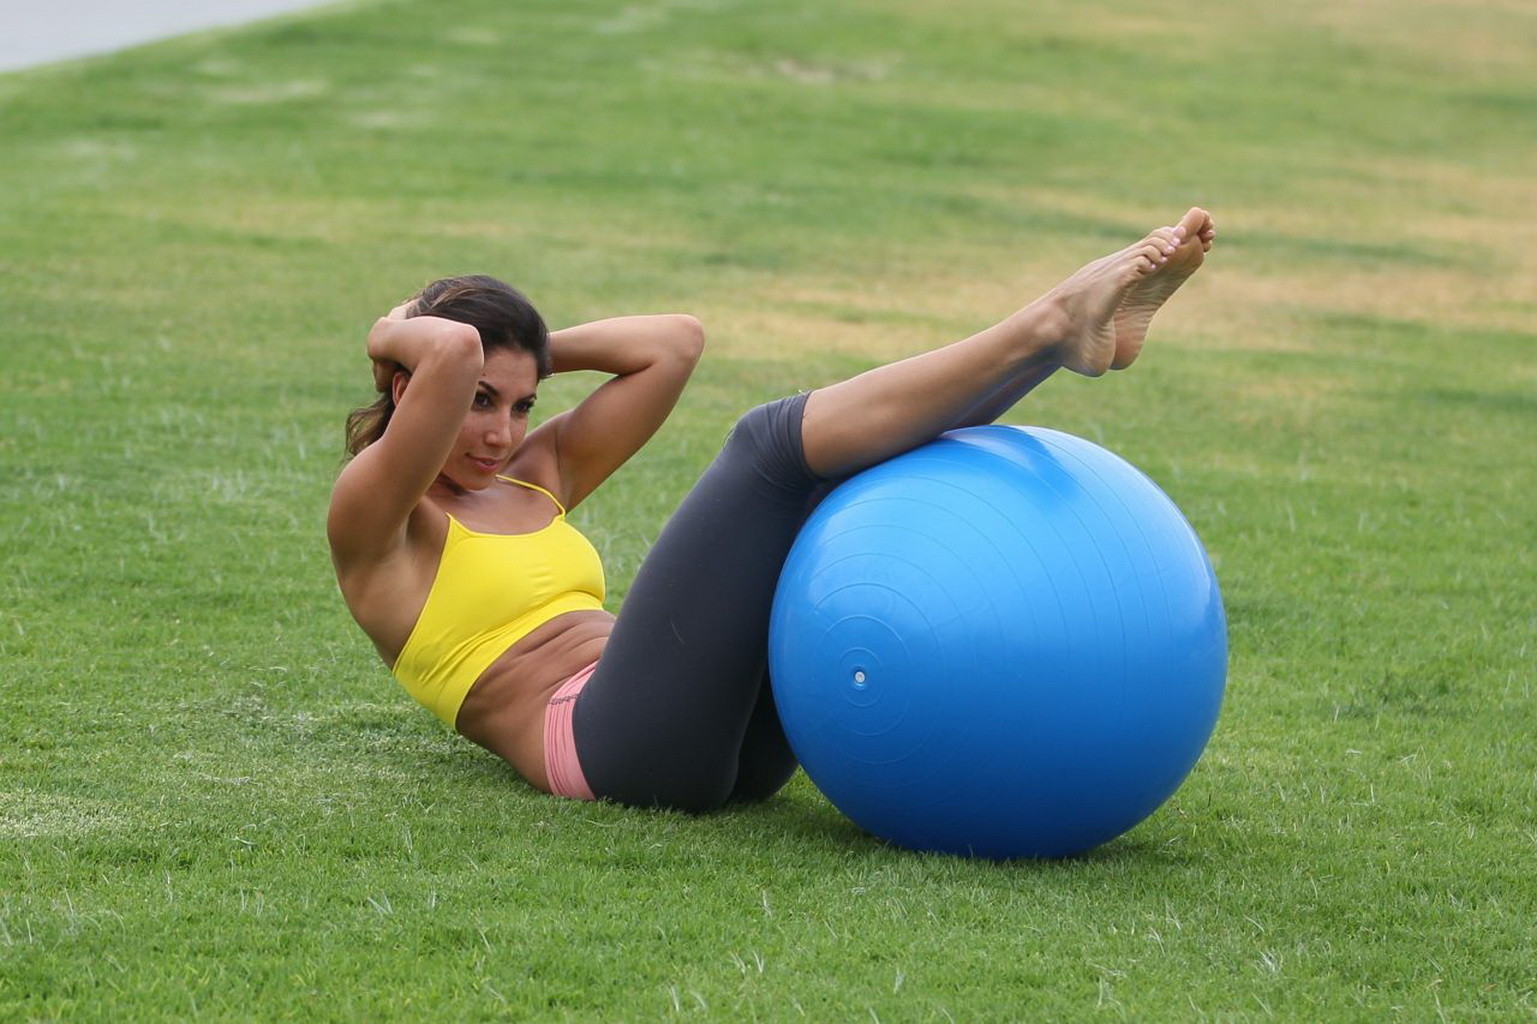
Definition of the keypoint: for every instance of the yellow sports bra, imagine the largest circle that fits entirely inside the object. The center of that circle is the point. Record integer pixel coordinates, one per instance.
(491, 590)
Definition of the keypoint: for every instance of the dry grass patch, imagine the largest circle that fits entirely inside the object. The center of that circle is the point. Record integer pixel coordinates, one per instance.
(791, 334)
(1469, 40)
(30, 814)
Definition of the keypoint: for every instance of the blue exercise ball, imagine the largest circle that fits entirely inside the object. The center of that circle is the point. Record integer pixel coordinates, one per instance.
(1006, 643)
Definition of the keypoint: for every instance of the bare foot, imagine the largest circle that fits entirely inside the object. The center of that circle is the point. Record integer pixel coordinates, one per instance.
(1110, 302)
(1197, 232)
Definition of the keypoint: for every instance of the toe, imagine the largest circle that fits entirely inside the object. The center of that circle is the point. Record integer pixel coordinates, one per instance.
(1195, 221)
(1164, 240)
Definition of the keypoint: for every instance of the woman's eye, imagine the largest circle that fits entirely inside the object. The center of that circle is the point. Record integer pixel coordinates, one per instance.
(482, 401)
(525, 407)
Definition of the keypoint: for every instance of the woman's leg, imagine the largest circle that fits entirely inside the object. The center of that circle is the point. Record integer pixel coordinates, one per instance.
(765, 762)
(678, 708)
(677, 701)
(1094, 321)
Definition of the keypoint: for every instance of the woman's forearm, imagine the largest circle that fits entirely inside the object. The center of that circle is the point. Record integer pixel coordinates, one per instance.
(408, 343)
(627, 344)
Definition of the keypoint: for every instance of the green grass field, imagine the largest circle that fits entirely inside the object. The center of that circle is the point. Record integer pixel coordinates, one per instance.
(216, 805)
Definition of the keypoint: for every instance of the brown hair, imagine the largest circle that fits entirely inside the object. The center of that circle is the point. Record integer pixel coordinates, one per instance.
(502, 315)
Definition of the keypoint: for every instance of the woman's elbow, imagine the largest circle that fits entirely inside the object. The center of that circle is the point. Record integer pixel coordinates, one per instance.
(688, 337)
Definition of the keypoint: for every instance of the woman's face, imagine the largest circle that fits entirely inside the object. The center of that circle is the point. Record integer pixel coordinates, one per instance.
(497, 421)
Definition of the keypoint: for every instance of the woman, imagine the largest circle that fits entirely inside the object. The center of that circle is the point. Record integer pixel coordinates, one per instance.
(449, 535)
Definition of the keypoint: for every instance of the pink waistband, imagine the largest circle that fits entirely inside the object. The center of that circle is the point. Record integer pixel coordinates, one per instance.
(560, 761)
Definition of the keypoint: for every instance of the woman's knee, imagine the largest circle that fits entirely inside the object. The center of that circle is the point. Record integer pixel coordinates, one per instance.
(768, 437)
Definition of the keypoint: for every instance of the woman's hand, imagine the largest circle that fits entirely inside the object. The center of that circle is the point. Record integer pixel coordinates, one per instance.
(384, 374)
(385, 369)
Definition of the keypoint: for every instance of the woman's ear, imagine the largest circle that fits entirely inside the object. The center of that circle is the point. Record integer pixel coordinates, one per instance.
(398, 385)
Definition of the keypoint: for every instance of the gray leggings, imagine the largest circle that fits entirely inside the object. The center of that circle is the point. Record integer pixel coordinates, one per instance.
(679, 712)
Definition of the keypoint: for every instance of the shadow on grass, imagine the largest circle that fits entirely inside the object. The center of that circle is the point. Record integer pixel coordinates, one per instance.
(800, 818)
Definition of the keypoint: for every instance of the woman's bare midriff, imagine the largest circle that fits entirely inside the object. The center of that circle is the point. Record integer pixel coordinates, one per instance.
(504, 710)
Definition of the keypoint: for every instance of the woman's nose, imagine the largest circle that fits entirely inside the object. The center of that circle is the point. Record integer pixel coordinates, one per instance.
(500, 432)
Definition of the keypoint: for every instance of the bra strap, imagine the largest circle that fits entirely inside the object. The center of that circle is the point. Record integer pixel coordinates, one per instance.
(534, 487)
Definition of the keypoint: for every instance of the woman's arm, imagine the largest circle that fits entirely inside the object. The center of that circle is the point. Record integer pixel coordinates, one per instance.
(432, 366)
(651, 359)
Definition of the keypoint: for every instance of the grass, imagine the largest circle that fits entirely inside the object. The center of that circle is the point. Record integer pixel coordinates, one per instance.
(216, 805)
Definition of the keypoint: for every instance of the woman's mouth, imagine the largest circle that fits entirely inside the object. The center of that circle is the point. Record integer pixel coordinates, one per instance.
(487, 465)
